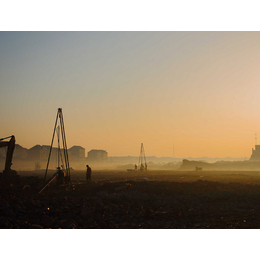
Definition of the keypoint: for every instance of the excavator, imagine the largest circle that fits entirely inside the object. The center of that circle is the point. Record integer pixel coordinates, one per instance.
(9, 155)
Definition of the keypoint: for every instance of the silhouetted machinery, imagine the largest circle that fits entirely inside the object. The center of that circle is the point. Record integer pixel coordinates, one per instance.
(142, 165)
(9, 154)
(63, 170)
(142, 160)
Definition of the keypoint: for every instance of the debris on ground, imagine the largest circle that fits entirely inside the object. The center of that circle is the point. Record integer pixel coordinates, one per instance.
(130, 204)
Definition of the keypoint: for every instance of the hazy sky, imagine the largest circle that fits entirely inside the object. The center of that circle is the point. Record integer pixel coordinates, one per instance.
(198, 91)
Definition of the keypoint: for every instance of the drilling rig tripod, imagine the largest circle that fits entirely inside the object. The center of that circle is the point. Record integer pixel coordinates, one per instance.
(62, 152)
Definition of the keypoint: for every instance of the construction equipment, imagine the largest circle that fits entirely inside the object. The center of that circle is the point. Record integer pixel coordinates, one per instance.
(142, 160)
(47, 183)
(62, 152)
(9, 154)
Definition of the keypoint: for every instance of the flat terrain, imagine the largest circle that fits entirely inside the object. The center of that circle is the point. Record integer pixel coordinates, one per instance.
(122, 199)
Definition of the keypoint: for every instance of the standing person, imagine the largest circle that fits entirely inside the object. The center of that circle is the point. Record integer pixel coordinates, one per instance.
(60, 178)
(88, 174)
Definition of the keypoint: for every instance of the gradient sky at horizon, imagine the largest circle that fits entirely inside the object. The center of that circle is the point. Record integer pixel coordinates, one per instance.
(198, 91)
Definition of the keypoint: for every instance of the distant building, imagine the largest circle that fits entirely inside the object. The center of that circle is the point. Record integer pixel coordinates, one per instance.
(41, 152)
(20, 152)
(76, 152)
(255, 153)
(97, 155)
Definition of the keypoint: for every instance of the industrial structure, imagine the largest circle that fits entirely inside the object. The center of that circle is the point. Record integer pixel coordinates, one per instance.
(63, 167)
(255, 153)
(63, 158)
(9, 153)
(142, 165)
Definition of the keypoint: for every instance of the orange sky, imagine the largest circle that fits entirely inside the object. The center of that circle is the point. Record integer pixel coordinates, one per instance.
(197, 91)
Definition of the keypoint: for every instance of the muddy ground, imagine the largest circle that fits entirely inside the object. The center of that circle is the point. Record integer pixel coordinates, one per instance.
(132, 200)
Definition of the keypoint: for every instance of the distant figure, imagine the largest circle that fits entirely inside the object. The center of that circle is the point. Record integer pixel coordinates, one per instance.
(145, 167)
(60, 178)
(135, 167)
(88, 174)
(142, 167)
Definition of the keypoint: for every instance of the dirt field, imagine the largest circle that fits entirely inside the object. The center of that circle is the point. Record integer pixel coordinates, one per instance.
(155, 199)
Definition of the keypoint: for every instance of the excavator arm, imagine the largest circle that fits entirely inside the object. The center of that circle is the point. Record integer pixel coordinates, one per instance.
(10, 151)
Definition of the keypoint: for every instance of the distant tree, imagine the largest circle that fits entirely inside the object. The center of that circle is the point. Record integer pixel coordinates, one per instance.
(37, 166)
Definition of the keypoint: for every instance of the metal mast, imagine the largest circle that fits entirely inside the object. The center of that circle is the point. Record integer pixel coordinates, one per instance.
(142, 160)
(60, 130)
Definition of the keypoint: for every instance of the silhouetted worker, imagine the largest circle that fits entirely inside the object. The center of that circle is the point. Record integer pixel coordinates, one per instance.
(135, 167)
(145, 167)
(60, 178)
(142, 167)
(88, 174)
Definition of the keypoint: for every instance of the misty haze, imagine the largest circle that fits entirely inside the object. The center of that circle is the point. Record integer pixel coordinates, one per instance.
(129, 130)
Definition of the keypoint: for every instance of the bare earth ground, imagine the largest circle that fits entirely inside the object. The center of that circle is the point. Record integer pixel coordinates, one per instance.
(155, 199)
